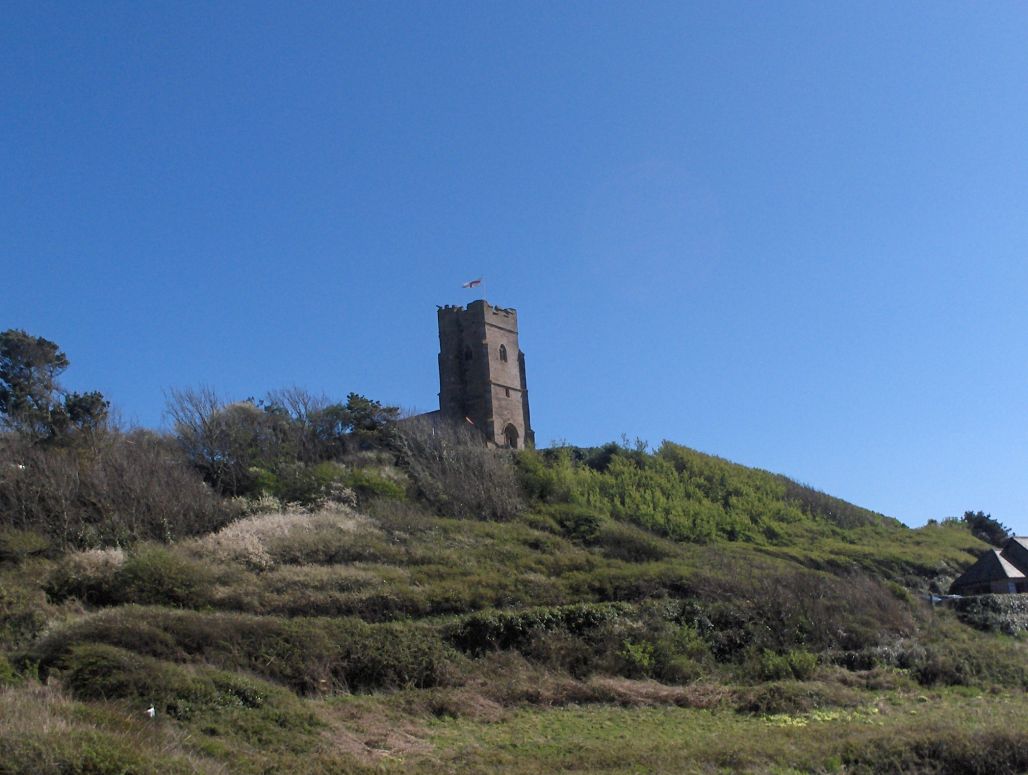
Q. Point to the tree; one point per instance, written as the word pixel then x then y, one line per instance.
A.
pixel 32 402
pixel 228 443
pixel 360 423
pixel 986 528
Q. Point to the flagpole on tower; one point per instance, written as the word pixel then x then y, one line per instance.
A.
pixel 478 282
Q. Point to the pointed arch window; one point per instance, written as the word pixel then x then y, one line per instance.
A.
pixel 503 353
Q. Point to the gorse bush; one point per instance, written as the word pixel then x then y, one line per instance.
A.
pixel 681 493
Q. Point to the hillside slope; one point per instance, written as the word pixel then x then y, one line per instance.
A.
pixel 625 597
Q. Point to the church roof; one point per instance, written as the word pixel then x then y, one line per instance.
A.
pixel 991 566
pixel 1015 551
pixel 1021 541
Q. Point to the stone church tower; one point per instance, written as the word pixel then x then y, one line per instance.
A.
pixel 482 372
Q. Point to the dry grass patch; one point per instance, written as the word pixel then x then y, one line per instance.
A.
pixel 248 541
pixel 371 731
pixel 44 730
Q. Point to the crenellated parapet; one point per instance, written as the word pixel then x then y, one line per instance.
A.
pixel 482 372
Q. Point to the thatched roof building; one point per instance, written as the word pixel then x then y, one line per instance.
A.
pixel 997 571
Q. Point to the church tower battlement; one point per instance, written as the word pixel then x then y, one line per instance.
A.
pixel 482 372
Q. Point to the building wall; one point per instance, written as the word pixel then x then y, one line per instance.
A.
pixel 475 381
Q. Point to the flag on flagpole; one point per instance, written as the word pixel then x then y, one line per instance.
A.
pixel 472 283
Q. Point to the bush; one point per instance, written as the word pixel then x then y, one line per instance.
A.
pixel 680 654
pixel 88 576
pixel 578 523
pixel 369 484
pixel 150 574
pixel 17 545
pixel 91 752
pixel 619 541
pixel 456 472
pixel 957 665
pixel 769 666
pixel 101 672
pixel 495 630
pixel 124 488
pixel 309 655
pixel 23 615
pixel 560 650
pixel 7 675
pixel 155 575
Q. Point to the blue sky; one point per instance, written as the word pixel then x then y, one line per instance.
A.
pixel 790 234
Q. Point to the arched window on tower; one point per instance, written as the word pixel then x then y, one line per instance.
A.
pixel 467 353
pixel 503 353
pixel 510 435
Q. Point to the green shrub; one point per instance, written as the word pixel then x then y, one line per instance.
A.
pixel 770 666
pixel 578 523
pixel 954 655
pixel 155 575
pixel 801 663
pixel 99 672
pixel 23 614
pixel 560 650
pixel 16 545
pixel 394 655
pixel 369 484
pixel 680 654
pixel 149 575
pixel 7 675
pixel 619 541
pixel 308 655
pixel 257 710
pixel 636 659
pixel 540 481
pixel 495 630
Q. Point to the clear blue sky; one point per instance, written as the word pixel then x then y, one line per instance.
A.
pixel 791 234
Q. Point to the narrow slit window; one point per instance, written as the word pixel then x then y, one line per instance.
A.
pixel 503 353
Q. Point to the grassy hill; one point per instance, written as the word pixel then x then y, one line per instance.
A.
pixel 439 607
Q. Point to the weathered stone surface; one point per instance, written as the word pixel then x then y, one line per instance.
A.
pixel 482 372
